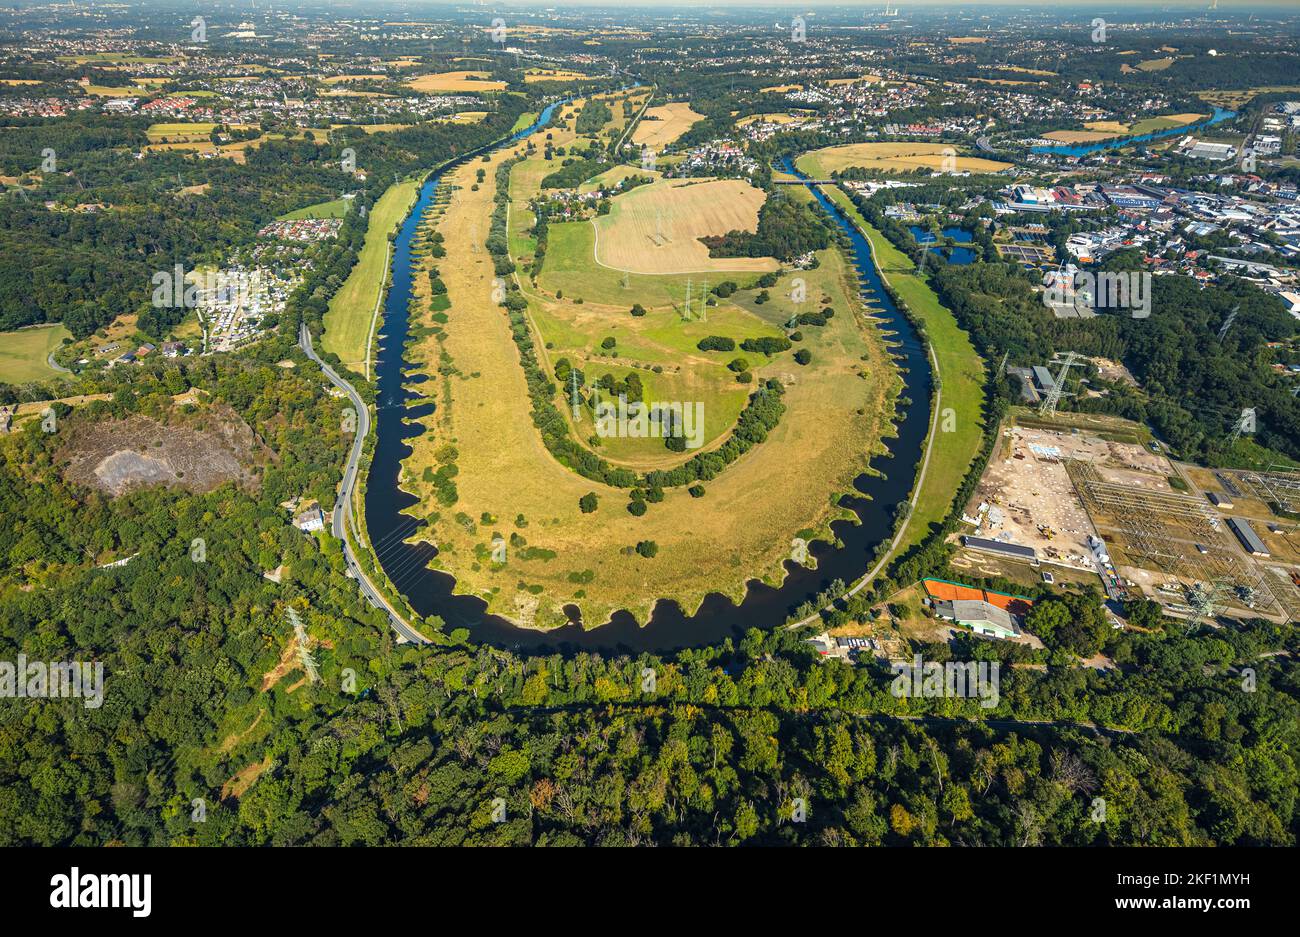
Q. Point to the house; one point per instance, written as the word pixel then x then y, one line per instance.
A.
pixel 310 519
pixel 1222 502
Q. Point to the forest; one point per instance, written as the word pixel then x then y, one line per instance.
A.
pixel 87 268
pixel 458 743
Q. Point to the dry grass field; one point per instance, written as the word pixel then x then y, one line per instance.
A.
pixel 663 124
pixel 534 75
pixel 455 81
pixel 509 485
pixel 655 228
pixel 1082 136
pixel 891 157
pixel 776 118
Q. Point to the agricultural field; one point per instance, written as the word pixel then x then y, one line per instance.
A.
pixel 534 75
pixel 347 323
pixel 890 157
pixel 663 124
pixel 742 525
pixel 656 228
pixel 24 353
pixel 779 117
pixel 455 81
pixel 179 132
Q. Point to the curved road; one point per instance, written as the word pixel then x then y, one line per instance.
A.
pixel 344 506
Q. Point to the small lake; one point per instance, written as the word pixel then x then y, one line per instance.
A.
pixel 954 255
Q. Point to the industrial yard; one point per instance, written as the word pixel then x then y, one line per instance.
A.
pixel 1101 499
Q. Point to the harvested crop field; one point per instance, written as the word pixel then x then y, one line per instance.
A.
pixel 207 450
pixel 662 125
pixel 455 81
pixel 656 228
pixel 896 157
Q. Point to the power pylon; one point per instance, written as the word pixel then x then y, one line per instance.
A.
pixel 1048 407
pixel 304 655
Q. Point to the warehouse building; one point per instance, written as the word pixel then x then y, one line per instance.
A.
pixel 997 546
pixel 1246 534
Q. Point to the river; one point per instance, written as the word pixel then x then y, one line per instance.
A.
pixel 431 592
pixel 1218 116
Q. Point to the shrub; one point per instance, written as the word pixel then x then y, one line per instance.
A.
pixel 716 343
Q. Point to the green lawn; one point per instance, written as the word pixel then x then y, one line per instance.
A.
pixel 524 120
pixel 961 376
pixel 347 323
pixel 334 209
pixel 23 353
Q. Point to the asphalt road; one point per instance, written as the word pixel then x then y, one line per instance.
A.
pixel 344 506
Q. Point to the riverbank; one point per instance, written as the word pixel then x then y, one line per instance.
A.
pixel 959 424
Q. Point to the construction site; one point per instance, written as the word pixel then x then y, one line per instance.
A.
pixel 1084 496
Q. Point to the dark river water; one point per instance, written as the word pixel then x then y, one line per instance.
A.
pixel 431 592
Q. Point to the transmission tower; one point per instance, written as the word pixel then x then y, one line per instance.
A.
pixel 304 655
pixel 1206 599
pixel 1002 368
pixel 1245 424
pixel 1227 323
pixel 573 394
pixel 1048 407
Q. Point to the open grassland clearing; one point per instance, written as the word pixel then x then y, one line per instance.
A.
pixel 660 347
pixel 1235 99
pixel 455 81
pixel 961 377
pixel 612 177
pixel 664 123
pixel 24 353
pixel 336 208
pixel 347 323
pixel 656 228
pixel 509 485
pixel 891 157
